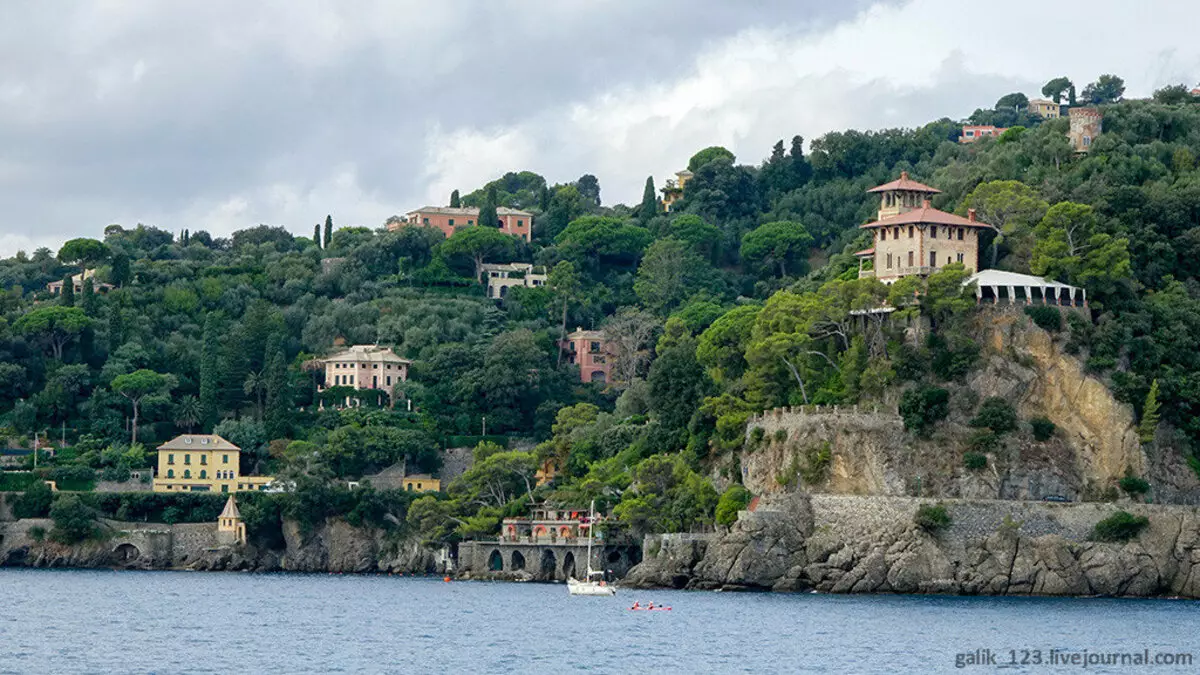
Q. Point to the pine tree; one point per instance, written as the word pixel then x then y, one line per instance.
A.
pixel 317 235
pixel 455 201
pixel 68 292
pixel 210 374
pixel 649 207
pixel 328 231
pixel 1149 423
pixel 87 299
pixel 279 394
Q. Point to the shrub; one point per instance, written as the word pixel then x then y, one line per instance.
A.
pixel 1134 486
pixel 1045 317
pixel 34 502
pixel 1120 526
pixel 74 521
pixel 923 407
pixel 757 434
pixel 817 463
pixel 1043 428
pixel 781 435
pixel 996 414
pixel 975 461
pixel 983 441
pixel 37 533
pixel 733 500
pixel 932 518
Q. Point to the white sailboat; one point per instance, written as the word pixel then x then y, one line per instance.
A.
pixel 590 585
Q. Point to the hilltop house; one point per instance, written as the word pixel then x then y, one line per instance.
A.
pixel 203 463
pixel 366 367
pixel 594 355
pixel 673 190
pixel 974 132
pixel 1046 109
pixel 911 237
pixel 500 277
pixel 56 287
pixel 447 219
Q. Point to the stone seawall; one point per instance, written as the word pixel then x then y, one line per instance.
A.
pixel 849 544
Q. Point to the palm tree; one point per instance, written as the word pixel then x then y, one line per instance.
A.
pixel 187 413
pixel 253 386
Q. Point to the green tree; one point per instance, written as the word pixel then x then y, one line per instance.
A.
pixel 74 521
pixel 1174 94
pixel 487 210
pixel 1012 208
pixel 480 244
pixel 57 326
pixel 1056 88
pixel 187 413
pixel 328 230
pixel 210 373
pixel 704 237
pixel 84 252
pixel 317 235
pixel 734 499
pixel 87 299
pixel 67 299
pixel 1149 422
pixel 671 272
pixel 565 282
pixel 677 386
pixel 923 407
pixel 707 155
pixel 455 200
pixel 279 391
pixel 649 206
pixel 721 348
pixel 783 245
pixel 1015 101
pixel 1068 247
pixel 135 387
pixel 121 273
pixel 1106 89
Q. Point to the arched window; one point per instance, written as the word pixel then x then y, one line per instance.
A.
pixel 170 473
pixel 187 473
pixel 203 473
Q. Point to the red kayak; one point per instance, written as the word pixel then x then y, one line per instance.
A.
pixel 649 609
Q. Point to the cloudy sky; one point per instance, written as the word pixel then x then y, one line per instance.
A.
pixel 220 114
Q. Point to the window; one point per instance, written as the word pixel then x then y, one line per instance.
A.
pixel 451 222
pixel 187 473
pixel 170 459
pixel 203 473
pixel 910 258
pixel 520 223
pixel 470 222
pixel 1087 140
pixel 960 257
pixel 896 233
pixel 204 459
pixel 933 231
pixel 889 261
pixel 970 133
pixel 883 235
pixel 424 221
pixel 911 230
pixel 933 258
pixel 376 366
pixel 595 347
pixel 224 459
pixel 187 459
pixel 961 230
pixel 389 380
pixel 170 473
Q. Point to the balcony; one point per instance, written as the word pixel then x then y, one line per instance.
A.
pixel 866 274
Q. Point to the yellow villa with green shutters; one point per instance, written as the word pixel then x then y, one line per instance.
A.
pixel 203 463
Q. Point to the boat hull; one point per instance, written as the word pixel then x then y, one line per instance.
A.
pixel 589 588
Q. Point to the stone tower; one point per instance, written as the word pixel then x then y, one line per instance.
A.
pixel 231 531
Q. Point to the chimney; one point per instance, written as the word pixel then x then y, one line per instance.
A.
pixel 925 204
pixel 903 175
pixel 971 215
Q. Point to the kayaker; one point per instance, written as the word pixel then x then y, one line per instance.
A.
pixel 636 605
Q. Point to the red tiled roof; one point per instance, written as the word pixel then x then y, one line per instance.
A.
pixel 925 215
pixel 865 252
pixel 905 183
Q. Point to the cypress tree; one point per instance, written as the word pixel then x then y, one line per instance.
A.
pixel 1149 423
pixel 68 292
pixel 487 210
pixel 279 394
pixel 328 231
pixel 116 326
pixel 87 299
pixel 121 274
pixel 649 207
pixel 317 235
pixel 455 201
pixel 210 374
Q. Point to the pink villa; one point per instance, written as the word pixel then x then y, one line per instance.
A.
pixel 911 237
pixel 589 350
pixel 366 367
pixel 548 525
pixel 974 132
pixel 447 219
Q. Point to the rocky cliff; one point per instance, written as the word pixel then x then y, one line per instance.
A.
pixel 843 544
pixel 864 450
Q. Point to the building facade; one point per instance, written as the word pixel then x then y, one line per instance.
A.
pixel 548 525
pixel 56 287
pixel 422 482
pixel 672 192
pixel 1045 108
pixel 589 350
pixel 1086 125
pixel 231 531
pixel 203 463
pixel 447 219
pixel 501 277
pixel 911 237
pixel 974 132
pixel 366 367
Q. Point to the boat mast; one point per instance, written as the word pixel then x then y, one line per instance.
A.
pixel 591 521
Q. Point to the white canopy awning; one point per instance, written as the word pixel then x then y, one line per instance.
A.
pixel 1050 291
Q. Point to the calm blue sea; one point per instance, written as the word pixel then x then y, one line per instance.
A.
pixel 54 621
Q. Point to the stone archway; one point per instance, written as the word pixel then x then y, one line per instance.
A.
pixel 613 557
pixel 568 567
pixel 496 561
pixel 518 562
pixel 549 566
pixel 126 553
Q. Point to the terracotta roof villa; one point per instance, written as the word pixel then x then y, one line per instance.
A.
pixel 911 237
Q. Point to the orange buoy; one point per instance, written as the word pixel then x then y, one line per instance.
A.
pixel 446 579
